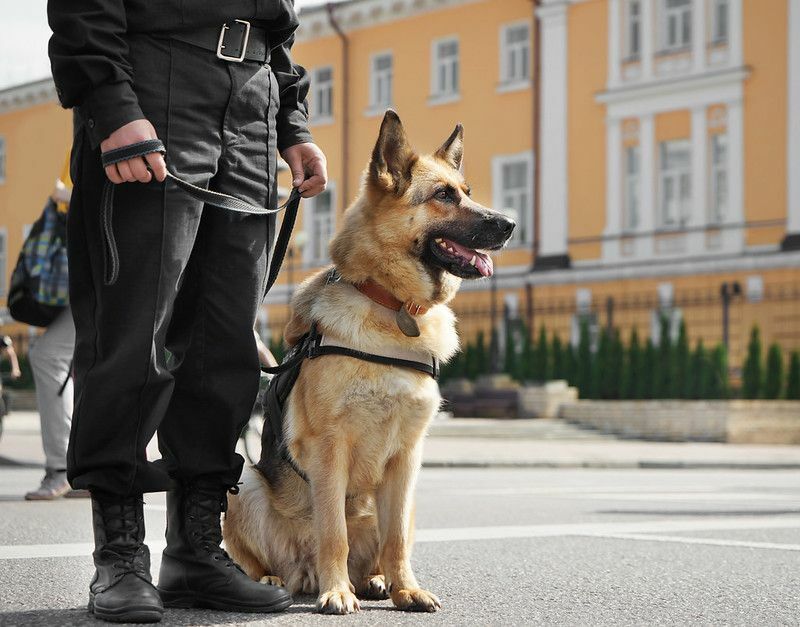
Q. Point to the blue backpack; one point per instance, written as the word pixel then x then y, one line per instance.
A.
pixel 39 288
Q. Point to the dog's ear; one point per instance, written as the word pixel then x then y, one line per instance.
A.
pixel 452 150
pixel 392 157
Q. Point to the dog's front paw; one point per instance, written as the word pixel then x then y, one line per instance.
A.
pixel 271 580
pixel 416 600
pixel 337 602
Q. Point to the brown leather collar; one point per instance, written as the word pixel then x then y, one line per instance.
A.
pixel 384 297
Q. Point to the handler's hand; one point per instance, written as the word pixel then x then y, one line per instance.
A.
pixel 132 170
pixel 309 168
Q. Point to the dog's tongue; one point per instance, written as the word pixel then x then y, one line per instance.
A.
pixel 483 262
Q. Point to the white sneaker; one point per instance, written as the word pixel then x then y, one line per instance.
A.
pixel 54 485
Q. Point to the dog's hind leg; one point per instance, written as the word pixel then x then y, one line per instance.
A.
pixel 363 561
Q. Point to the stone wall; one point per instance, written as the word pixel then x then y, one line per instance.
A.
pixel 737 421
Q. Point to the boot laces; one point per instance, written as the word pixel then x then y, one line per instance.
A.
pixel 122 538
pixel 205 509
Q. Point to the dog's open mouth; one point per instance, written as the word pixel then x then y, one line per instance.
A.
pixel 460 260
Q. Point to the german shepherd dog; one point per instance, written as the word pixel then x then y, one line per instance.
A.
pixel 355 428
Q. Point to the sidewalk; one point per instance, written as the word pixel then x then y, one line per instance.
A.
pixel 475 442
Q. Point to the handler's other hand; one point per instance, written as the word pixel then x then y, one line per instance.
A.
pixel 309 168
pixel 133 170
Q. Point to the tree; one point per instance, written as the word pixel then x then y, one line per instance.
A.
pixel 541 361
pixel 525 366
pixel 647 382
pixel 615 366
pixel 570 365
pixel 559 358
pixel 631 367
pixel 793 378
pixel 665 363
pixel 583 376
pixel 773 382
pixel 600 366
pixel 698 373
pixel 718 376
pixel 682 362
pixel 751 371
pixel 510 358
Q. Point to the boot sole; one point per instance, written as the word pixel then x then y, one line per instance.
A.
pixel 142 614
pixel 188 600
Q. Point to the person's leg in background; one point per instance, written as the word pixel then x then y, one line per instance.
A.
pixel 51 359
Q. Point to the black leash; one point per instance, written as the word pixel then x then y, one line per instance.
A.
pixel 207 196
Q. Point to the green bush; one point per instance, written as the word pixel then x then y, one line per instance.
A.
pixel 647 381
pixel 793 378
pixel 751 371
pixel 570 365
pixel 682 364
pixel 632 365
pixel 773 382
pixel 600 365
pixel 559 358
pixel 510 358
pixel 541 359
pixel 718 376
pixel 583 376
pixel 665 363
pixel 699 370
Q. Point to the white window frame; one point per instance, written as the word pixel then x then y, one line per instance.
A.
pixel 525 224
pixel 3 159
pixel 507 81
pixel 309 222
pixel 438 96
pixel 631 189
pixel 3 261
pixel 718 189
pixel 375 77
pixel 676 177
pixel 716 37
pixel 630 53
pixel 682 15
pixel 318 116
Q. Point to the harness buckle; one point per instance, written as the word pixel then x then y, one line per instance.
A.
pixel 245 39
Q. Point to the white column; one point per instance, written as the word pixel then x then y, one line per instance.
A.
pixel 696 240
pixel 648 39
pixel 647 218
pixel 793 158
pixel 735 33
pixel 614 42
pixel 733 239
pixel 553 124
pixel 614 201
pixel 699 35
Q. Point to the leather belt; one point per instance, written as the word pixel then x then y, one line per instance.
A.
pixel 234 41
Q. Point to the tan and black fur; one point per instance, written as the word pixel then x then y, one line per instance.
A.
pixel 355 428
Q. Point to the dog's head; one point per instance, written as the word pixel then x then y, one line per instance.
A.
pixel 415 228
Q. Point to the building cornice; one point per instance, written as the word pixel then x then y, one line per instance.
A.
pixel 359 14
pixel 27 95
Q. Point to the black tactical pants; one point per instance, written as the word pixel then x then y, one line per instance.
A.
pixel 191 278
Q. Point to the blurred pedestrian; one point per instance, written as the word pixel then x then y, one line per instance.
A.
pixel 51 359
pixel 7 350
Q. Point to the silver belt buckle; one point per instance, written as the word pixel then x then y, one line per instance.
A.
pixel 221 43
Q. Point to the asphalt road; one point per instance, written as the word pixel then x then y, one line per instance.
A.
pixel 499 547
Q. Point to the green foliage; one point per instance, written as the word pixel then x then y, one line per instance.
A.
pixel 599 365
pixel 493 363
pixel 276 348
pixel 665 363
pixel 647 380
pixel 751 371
pixel 631 370
pixel 793 378
pixel 559 358
pixel 510 358
pixel 682 360
pixel 699 371
pixel 526 362
pixel 583 376
pixel 718 375
pixel 570 365
pixel 773 382
pixel 541 358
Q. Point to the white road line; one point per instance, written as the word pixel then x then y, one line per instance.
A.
pixel 709 541
pixel 454 534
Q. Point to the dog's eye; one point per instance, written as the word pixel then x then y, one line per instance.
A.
pixel 442 195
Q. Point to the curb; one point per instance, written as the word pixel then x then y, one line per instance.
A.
pixel 642 464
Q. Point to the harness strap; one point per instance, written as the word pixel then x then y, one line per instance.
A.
pixel 207 196
pixel 431 369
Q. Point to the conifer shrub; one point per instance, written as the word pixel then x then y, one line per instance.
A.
pixel 793 377
pixel 773 381
pixel 751 371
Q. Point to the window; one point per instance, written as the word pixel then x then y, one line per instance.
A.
pixel 719 178
pixel 320 226
pixel 381 81
pixel 322 94
pixel 675 183
pixel 444 78
pixel 677 24
pixel 633 29
pixel 631 211
pixel 2 159
pixel 719 21
pixel 515 53
pixel 513 176
pixel 3 258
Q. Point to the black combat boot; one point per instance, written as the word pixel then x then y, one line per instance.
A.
pixel 195 571
pixel 121 590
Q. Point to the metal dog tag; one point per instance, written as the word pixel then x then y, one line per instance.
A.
pixel 406 323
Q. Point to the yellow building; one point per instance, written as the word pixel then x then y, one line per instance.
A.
pixel 667 132
pixel 660 182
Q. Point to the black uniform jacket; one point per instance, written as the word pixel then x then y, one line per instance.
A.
pixel 89 55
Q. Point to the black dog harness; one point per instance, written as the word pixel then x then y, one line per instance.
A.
pixel 311 346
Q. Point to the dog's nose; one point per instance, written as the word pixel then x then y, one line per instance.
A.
pixel 504 225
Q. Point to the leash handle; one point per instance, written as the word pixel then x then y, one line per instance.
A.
pixel 207 196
